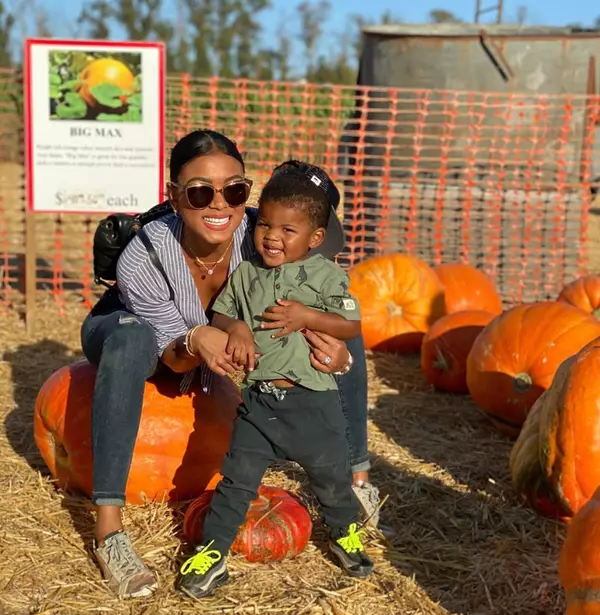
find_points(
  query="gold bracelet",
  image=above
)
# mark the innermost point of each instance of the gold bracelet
(187, 341)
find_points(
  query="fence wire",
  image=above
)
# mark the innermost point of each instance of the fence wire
(504, 182)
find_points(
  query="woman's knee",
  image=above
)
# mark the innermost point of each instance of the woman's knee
(131, 336)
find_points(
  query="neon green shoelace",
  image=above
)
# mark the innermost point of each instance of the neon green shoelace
(351, 543)
(202, 562)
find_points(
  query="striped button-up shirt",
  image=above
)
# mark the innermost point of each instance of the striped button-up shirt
(144, 291)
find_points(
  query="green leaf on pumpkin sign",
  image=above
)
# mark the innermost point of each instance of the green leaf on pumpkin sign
(65, 112)
(69, 85)
(55, 79)
(55, 92)
(74, 100)
(135, 100)
(108, 95)
(74, 108)
(108, 117)
(133, 115)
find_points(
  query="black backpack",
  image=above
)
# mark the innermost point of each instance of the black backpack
(113, 234)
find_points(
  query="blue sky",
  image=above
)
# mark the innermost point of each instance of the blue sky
(540, 12)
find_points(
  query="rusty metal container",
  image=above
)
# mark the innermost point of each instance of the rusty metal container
(487, 63)
(465, 146)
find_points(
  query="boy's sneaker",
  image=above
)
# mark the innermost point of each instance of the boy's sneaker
(126, 573)
(202, 573)
(351, 554)
(368, 498)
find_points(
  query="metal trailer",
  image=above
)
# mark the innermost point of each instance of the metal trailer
(471, 65)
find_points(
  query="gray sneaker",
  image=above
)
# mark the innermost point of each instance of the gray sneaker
(368, 497)
(126, 573)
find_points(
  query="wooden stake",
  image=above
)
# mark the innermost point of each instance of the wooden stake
(30, 271)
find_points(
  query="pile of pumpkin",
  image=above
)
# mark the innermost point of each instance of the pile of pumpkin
(532, 369)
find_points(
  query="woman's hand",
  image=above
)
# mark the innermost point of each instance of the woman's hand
(211, 344)
(323, 346)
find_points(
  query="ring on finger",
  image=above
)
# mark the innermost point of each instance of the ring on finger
(326, 360)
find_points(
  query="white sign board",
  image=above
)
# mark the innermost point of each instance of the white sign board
(94, 122)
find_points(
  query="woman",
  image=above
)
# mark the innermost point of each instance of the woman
(199, 245)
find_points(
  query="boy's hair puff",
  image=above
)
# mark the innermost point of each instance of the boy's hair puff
(290, 186)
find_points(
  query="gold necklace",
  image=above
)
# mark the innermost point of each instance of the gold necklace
(214, 264)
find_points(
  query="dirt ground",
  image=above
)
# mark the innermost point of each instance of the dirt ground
(461, 542)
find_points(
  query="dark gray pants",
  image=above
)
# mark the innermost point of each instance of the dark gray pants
(307, 427)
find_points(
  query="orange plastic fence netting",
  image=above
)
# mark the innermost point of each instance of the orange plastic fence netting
(502, 181)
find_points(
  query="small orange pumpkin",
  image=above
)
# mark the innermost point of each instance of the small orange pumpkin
(400, 298)
(468, 288)
(514, 359)
(277, 525)
(583, 293)
(579, 564)
(180, 444)
(446, 347)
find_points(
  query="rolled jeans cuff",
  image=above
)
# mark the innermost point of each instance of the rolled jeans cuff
(108, 499)
(363, 466)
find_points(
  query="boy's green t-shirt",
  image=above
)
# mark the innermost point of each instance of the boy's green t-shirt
(316, 282)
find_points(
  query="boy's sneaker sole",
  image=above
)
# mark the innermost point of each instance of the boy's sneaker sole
(350, 566)
(216, 582)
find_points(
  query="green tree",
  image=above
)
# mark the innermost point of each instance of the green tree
(139, 18)
(200, 12)
(7, 23)
(142, 22)
(312, 17)
(247, 31)
(225, 35)
(95, 18)
(443, 16)
(42, 23)
(358, 22)
(284, 51)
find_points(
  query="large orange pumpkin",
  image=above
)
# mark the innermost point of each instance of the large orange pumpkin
(400, 298)
(579, 564)
(180, 444)
(583, 293)
(514, 359)
(555, 462)
(277, 525)
(468, 288)
(446, 347)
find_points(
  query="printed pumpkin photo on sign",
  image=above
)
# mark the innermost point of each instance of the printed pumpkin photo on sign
(95, 85)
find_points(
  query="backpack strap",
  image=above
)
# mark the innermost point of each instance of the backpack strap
(155, 260)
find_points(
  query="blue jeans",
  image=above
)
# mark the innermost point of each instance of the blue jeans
(123, 347)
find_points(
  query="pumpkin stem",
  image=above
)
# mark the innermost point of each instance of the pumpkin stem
(394, 310)
(596, 313)
(441, 362)
(522, 382)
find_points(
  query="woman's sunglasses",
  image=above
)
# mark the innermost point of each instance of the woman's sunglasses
(200, 195)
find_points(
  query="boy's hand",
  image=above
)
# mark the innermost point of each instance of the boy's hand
(289, 316)
(241, 345)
